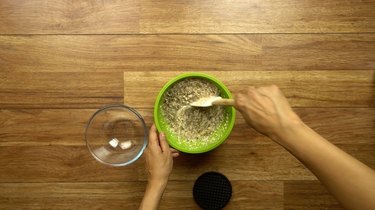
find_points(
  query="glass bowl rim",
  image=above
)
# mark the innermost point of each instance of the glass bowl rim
(145, 140)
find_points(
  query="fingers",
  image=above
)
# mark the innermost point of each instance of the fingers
(165, 147)
(240, 101)
(175, 153)
(242, 95)
(153, 135)
(153, 143)
(248, 98)
(163, 142)
(158, 143)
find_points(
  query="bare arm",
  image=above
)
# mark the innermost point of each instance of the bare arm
(159, 163)
(349, 180)
(154, 192)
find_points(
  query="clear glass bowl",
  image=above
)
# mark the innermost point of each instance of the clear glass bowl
(116, 135)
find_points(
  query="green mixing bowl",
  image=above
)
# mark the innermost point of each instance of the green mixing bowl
(220, 135)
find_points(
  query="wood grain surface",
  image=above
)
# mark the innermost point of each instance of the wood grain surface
(61, 60)
(212, 52)
(302, 88)
(311, 194)
(238, 162)
(260, 16)
(220, 16)
(66, 126)
(68, 17)
(178, 195)
(60, 90)
(83, 195)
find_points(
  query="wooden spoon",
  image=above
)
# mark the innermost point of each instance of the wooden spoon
(213, 100)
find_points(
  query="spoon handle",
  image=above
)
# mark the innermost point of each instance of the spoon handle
(224, 102)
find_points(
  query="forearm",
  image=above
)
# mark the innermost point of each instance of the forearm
(154, 192)
(349, 180)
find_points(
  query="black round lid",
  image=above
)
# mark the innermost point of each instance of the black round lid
(212, 191)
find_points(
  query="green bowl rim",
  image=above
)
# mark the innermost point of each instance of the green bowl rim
(198, 75)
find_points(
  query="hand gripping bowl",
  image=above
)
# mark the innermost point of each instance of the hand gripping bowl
(220, 134)
(116, 135)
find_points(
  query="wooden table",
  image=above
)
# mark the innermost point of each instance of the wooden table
(60, 60)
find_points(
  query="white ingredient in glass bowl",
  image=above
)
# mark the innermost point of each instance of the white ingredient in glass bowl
(114, 142)
(126, 144)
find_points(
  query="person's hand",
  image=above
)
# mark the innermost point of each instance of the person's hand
(159, 157)
(159, 163)
(266, 109)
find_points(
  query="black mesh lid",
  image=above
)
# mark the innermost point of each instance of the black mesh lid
(212, 191)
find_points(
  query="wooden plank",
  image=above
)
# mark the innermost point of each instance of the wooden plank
(119, 53)
(302, 88)
(59, 90)
(317, 52)
(261, 16)
(256, 195)
(252, 194)
(58, 164)
(127, 195)
(308, 195)
(68, 17)
(148, 16)
(258, 162)
(54, 126)
(338, 125)
(66, 126)
(238, 162)
(119, 195)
